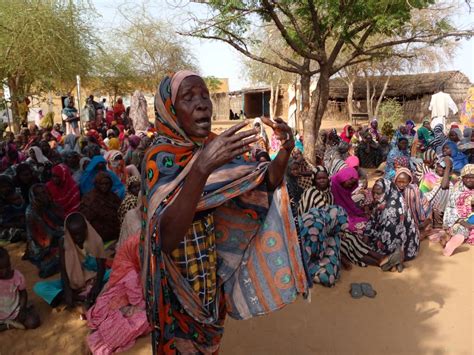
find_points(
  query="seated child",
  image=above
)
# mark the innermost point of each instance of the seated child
(82, 263)
(14, 312)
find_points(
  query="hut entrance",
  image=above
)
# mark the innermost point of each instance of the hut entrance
(257, 104)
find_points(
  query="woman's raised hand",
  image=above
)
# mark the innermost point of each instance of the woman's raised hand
(225, 147)
(282, 131)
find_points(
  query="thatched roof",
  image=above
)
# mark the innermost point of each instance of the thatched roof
(409, 86)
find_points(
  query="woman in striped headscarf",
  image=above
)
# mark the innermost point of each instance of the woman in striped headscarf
(428, 164)
(353, 249)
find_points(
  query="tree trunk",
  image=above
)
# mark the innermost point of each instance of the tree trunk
(14, 83)
(313, 119)
(350, 96)
(382, 94)
(368, 97)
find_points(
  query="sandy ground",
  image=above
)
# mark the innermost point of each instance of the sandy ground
(428, 309)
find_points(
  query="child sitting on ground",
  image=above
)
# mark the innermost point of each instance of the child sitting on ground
(14, 312)
(82, 263)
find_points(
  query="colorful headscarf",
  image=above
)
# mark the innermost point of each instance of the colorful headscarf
(171, 304)
(467, 170)
(346, 135)
(117, 166)
(88, 178)
(67, 194)
(343, 197)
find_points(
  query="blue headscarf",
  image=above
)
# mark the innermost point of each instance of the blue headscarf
(459, 158)
(87, 178)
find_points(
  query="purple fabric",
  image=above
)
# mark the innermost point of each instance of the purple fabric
(343, 197)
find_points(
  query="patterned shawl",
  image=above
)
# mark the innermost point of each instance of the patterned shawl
(249, 231)
(414, 199)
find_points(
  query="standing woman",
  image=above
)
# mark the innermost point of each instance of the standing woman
(188, 176)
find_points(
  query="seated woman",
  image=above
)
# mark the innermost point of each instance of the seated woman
(63, 189)
(428, 164)
(82, 262)
(321, 246)
(139, 153)
(14, 310)
(12, 212)
(450, 149)
(436, 187)
(391, 226)
(455, 222)
(131, 198)
(400, 150)
(353, 249)
(416, 203)
(347, 133)
(343, 185)
(96, 165)
(100, 207)
(40, 165)
(120, 308)
(368, 152)
(425, 135)
(44, 226)
(116, 164)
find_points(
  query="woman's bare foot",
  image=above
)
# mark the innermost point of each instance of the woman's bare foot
(346, 264)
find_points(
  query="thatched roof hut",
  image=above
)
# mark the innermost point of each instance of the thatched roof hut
(412, 91)
(410, 86)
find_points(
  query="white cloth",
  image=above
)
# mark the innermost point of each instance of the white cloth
(440, 105)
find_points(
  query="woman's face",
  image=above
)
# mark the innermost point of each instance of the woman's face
(402, 181)
(295, 170)
(104, 185)
(377, 193)
(447, 150)
(403, 144)
(134, 188)
(41, 195)
(72, 161)
(350, 131)
(5, 189)
(349, 184)
(25, 177)
(100, 166)
(453, 136)
(368, 138)
(56, 179)
(468, 181)
(194, 107)
(32, 154)
(322, 181)
(439, 170)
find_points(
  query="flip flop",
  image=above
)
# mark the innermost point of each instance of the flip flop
(367, 290)
(356, 291)
(453, 244)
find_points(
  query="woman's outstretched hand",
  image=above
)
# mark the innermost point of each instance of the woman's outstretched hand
(225, 147)
(282, 131)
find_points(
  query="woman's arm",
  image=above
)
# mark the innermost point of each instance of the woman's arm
(446, 175)
(178, 216)
(68, 294)
(98, 282)
(277, 167)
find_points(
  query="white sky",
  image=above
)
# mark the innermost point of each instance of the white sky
(219, 59)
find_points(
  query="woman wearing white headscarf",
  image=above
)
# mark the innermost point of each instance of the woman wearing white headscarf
(138, 112)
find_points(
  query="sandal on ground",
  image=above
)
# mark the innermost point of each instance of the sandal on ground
(453, 244)
(367, 290)
(393, 260)
(13, 324)
(356, 291)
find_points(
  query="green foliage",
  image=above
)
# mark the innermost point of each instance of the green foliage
(44, 44)
(390, 111)
(213, 83)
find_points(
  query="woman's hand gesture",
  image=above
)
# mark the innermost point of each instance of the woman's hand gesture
(225, 147)
(282, 131)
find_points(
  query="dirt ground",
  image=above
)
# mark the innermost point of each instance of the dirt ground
(427, 309)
